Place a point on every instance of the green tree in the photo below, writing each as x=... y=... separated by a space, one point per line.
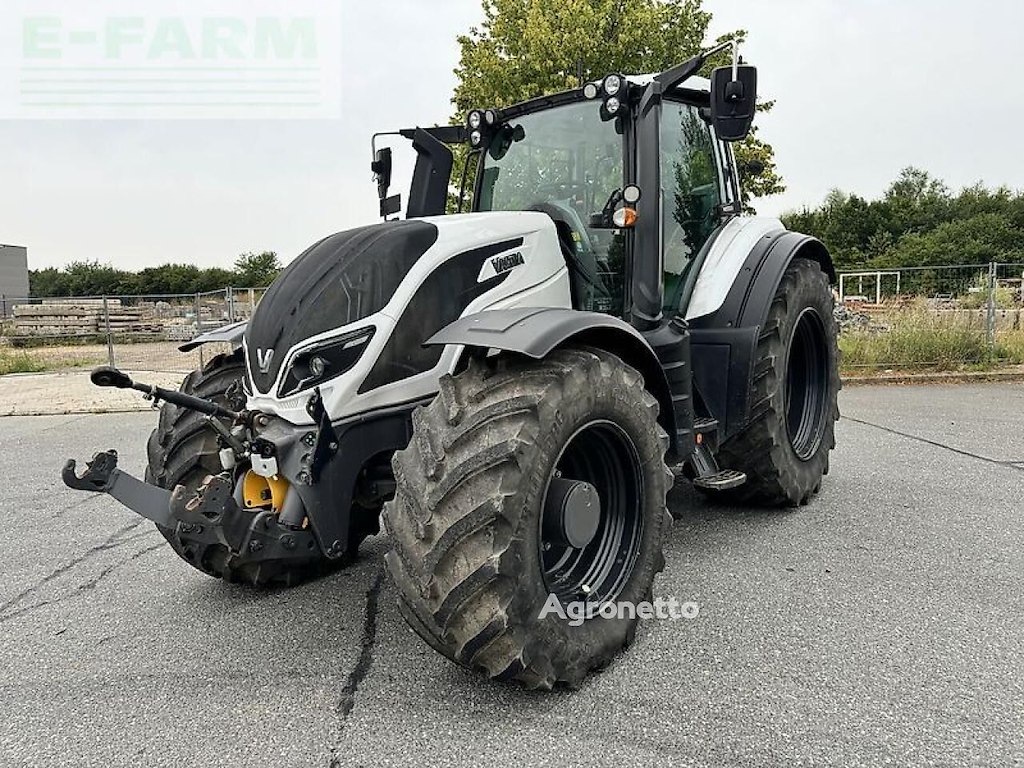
x=90 y=278
x=528 y=48
x=918 y=222
x=47 y=282
x=256 y=270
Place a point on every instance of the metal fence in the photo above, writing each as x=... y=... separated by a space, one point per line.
x=137 y=333
x=946 y=317
x=942 y=317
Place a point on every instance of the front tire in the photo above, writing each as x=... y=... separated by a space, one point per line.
x=474 y=557
x=784 y=449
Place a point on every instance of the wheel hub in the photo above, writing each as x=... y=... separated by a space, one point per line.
x=572 y=512
x=592 y=519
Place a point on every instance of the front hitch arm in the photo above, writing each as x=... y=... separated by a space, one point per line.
x=102 y=476
x=209 y=514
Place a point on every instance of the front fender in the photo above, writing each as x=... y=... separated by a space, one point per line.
x=228 y=334
x=530 y=331
x=535 y=332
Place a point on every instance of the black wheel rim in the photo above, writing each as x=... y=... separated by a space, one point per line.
x=602 y=454
x=807 y=383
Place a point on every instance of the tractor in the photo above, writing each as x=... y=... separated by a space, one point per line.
x=513 y=387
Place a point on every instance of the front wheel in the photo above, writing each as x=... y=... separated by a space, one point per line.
x=784 y=449
x=531 y=492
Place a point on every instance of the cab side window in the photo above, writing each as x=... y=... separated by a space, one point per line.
x=690 y=193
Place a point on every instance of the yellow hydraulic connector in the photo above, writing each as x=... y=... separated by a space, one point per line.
x=258 y=492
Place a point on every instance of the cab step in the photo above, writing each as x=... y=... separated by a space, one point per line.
x=723 y=480
x=704 y=425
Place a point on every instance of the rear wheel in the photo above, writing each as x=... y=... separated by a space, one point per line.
x=183 y=450
x=785 y=447
x=525 y=482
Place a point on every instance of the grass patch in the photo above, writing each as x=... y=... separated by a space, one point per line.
x=1010 y=347
x=919 y=339
x=19 y=362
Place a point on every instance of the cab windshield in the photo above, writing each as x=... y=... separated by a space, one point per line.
x=565 y=162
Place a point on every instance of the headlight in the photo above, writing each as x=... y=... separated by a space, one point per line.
x=317 y=367
x=612 y=85
x=324 y=361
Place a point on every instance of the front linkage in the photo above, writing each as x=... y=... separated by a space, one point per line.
x=249 y=519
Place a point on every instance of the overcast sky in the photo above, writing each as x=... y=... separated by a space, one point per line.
x=863 y=88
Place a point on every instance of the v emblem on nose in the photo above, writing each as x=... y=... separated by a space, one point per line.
x=264 y=357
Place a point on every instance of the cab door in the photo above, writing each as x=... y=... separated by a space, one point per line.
x=692 y=193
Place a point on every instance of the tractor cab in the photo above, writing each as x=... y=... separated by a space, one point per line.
x=637 y=174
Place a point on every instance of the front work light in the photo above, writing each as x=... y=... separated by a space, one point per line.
x=475 y=120
x=612 y=85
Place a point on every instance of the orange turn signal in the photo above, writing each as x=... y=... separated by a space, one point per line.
x=624 y=218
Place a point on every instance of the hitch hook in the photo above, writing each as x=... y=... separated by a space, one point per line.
x=97 y=475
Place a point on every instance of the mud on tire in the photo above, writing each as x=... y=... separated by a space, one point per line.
x=465 y=523
x=785 y=447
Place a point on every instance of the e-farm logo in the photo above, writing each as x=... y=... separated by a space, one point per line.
x=225 y=59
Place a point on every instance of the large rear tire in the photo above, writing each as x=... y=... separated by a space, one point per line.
x=183 y=450
x=475 y=552
x=784 y=450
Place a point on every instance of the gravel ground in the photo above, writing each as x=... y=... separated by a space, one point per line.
x=882 y=625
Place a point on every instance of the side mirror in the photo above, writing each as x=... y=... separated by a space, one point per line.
x=751 y=168
x=733 y=101
x=381 y=167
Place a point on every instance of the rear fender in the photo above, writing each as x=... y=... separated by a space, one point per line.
x=725 y=341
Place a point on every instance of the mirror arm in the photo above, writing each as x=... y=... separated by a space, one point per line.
x=671 y=78
x=604 y=219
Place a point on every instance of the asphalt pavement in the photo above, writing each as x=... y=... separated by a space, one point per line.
x=881 y=625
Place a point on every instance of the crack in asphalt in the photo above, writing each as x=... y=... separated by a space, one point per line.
x=91 y=583
x=63 y=424
x=116 y=539
x=83 y=587
x=76 y=504
x=1018 y=465
x=367 y=643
